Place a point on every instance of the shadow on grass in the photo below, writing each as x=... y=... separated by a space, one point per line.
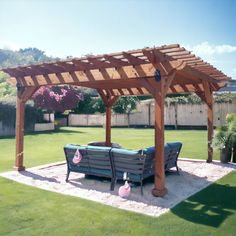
x=210 y=206
x=56 y=131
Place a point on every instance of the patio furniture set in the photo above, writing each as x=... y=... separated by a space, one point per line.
x=117 y=163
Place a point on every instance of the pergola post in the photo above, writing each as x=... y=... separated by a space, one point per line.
x=109 y=101
x=159 y=189
x=210 y=128
x=20 y=113
x=108 y=125
x=23 y=94
x=207 y=97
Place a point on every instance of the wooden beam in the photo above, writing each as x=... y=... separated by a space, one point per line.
x=53 y=68
x=28 y=93
x=82 y=65
x=192 y=72
x=177 y=49
x=109 y=101
x=210 y=128
x=208 y=97
x=168 y=80
x=20 y=112
x=159 y=177
x=179 y=53
x=133 y=60
x=108 y=126
x=156 y=58
x=23 y=94
x=182 y=57
x=99 y=64
x=146 y=84
x=116 y=62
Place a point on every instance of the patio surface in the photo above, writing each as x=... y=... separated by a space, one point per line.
x=194 y=176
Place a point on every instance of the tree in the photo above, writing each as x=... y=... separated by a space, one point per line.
x=99 y=105
x=57 y=98
x=125 y=105
x=85 y=106
x=90 y=105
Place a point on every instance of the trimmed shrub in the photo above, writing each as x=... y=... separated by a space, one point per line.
x=8 y=114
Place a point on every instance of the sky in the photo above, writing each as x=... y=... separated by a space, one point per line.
x=64 y=28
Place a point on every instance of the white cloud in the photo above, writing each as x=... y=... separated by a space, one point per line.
x=205 y=48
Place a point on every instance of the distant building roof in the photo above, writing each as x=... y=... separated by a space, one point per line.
x=229 y=88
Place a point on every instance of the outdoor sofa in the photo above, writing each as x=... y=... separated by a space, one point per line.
x=119 y=163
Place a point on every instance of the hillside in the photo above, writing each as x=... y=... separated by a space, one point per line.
x=9 y=58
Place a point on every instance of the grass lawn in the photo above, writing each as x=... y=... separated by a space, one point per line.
x=27 y=211
x=48 y=147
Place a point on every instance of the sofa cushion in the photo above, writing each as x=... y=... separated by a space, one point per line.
x=124 y=151
x=174 y=147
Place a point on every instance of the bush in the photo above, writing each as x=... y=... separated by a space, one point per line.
x=194 y=99
x=225 y=137
x=8 y=113
x=225 y=97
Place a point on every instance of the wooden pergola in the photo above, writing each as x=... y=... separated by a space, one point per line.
x=156 y=71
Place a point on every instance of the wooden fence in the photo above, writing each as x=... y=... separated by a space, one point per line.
x=175 y=115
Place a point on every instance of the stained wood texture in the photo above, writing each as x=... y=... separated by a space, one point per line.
x=20 y=111
x=23 y=94
x=118 y=71
x=109 y=100
x=207 y=97
x=108 y=126
x=159 y=178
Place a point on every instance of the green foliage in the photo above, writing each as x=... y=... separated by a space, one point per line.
x=99 y=105
x=208 y=212
x=47 y=147
x=125 y=105
x=141 y=98
x=194 y=99
x=225 y=97
x=90 y=105
x=8 y=113
x=225 y=135
x=9 y=58
x=184 y=99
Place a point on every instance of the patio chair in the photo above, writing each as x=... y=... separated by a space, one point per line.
x=171 y=153
x=100 y=163
x=83 y=166
x=96 y=161
x=136 y=166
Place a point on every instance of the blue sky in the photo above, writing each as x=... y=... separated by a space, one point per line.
x=75 y=28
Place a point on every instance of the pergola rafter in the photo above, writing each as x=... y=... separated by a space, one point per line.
x=153 y=71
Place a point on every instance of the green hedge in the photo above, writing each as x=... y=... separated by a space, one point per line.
x=8 y=114
x=194 y=99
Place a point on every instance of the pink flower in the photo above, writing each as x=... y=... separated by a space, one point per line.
x=51 y=94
